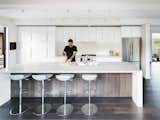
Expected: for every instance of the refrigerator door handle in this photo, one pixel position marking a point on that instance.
(132, 50)
(130, 53)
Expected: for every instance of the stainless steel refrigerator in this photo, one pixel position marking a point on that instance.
(131, 49)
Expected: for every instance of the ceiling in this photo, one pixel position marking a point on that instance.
(80, 8)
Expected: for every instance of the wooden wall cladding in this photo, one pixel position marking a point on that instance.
(106, 85)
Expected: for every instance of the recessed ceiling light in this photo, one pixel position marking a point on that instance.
(22, 10)
(89, 11)
(68, 11)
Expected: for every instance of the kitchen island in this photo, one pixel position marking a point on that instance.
(120, 79)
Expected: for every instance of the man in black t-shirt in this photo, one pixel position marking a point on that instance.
(70, 51)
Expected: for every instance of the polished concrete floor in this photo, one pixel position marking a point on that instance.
(108, 108)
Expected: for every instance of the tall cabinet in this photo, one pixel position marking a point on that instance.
(35, 44)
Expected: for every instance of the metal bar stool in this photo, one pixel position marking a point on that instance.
(89, 109)
(65, 109)
(43, 108)
(21, 109)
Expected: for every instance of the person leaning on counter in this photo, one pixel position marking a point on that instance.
(70, 51)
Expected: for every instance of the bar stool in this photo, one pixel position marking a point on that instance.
(89, 109)
(21, 109)
(43, 108)
(65, 109)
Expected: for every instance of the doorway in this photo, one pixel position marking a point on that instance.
(155, 47)
(2, 47)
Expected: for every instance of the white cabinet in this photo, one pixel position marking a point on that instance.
(69, 33)
(111, 38)
(59, 34)
(89, 34)
(39, 44)
(24, 48)
(98, 40)
(108, 34)
(65, 33)
(131, 31)
(99, 34)
(92, 34)
(51, 42)
(35, 44)
(81, 34)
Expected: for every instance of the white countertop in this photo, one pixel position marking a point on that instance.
(98, 58)
(55, 67)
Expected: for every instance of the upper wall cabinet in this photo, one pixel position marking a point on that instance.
(131, 31)
(65, 33)
(81, 34)
(87, 34)
(92, 33)
(35, 44)
(75, 33)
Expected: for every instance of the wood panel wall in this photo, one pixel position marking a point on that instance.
(106, 85)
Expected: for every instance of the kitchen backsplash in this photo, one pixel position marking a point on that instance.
(97, 48)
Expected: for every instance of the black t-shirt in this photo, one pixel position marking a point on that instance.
(69, 51)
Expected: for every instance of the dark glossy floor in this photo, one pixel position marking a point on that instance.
(109, 109)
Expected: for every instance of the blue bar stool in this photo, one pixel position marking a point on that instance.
(21, 109)
(43, 108)
(89, 109)
(65, 109)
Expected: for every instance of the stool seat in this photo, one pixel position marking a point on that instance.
(41, 77)
(64, 77)
(89, 77)
(19, 76)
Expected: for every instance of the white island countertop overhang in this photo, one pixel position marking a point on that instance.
(108, 67)
(57, 67)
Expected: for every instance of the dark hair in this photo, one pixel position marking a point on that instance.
(70, 40)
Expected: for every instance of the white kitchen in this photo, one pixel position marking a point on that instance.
(107, 79)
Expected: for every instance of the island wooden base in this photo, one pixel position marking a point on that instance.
(106, 85)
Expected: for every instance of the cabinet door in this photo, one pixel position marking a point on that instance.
(116, 38)
(24, 48)
(35, 44)
(99, 34)
(107, 35)
(59, 34)
(92, 34)
(51, 42)
(69, 33)
(136, 31)
(81, 34)
(131, 31)
(39, 44)
(125, 85)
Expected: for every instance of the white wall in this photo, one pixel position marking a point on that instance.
(155, 29)
(11, 37)
(146, 51)
(5, 86)
(10, 57)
